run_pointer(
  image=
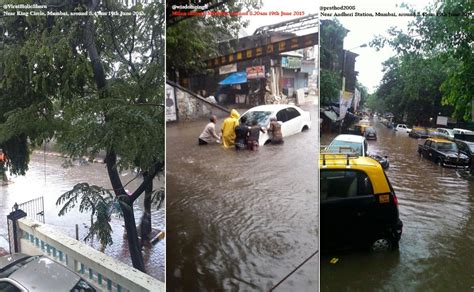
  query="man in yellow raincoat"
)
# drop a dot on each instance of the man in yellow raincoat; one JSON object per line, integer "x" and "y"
{"x": 228, "y": 129}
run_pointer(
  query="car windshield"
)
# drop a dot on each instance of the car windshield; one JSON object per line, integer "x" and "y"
{"x": 338, "y": 184}
{"x": 262, "y": 117}
{"x": 370, "y": 130}
{"x": 10, "y": 269}
{"x": 347, "y": 147}
{"x": 447, "y": 146}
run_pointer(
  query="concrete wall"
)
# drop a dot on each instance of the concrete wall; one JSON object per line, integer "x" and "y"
{"x": 104, "y": 272}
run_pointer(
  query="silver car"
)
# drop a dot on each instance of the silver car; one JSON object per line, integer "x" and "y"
{"x": 21, "y": 272}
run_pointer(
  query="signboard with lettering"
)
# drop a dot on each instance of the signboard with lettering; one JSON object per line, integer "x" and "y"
{"x": 274, "y": 48}
{"x": 255, "y": 72}
{"x": 226, "y": 69}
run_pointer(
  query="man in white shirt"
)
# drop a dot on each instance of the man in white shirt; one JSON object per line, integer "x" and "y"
{"x": 209, "y": 134}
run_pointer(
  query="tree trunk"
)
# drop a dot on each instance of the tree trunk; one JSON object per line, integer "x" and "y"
{"x": 145, "y": 224}
{"x": 126, "y": 204}
{"x": 111, "y": 158}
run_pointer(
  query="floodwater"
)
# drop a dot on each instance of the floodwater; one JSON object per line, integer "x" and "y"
{"x": 49, "y": 179}
{"x": 437, "y": 245}
{"x": 240, "y": 221}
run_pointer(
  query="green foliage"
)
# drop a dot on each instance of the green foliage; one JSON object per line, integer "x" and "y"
{"x": 332, "y": 35}
{"x": 190, "y": 42}
{"x": 446, "y": 39}
{"x": 330, "y": 86}
{"x": 411, "y": 86}
{"x": 97, "y": 201}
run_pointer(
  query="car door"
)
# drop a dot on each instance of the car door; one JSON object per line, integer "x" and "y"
{"x": 294, "y": 121}
{"x": 282, "y": 117}
{"x": 347, "y": 204}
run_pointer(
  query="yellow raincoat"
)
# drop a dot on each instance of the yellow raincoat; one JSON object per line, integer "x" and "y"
{"x": 228, "y": 129}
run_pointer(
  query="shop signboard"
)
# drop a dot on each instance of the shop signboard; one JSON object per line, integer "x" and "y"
{"x": 255, "y": 72}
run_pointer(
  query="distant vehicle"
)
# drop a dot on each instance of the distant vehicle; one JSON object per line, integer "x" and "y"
{"x": 446, "y": 133}
{"x": 354, "y": 145}
{"x": 21, "y": 272}
{"x": 293, "y": 119}
{"x": 419, "y": 132}
{"x": 402, "y": 128}
{"x": 443, "y": 152}
{"x": 370, "y": 133}
{"x": 348, "y": 144}
{"x": 359, "y": 207}
{"x": 467, "y": 148}
{"x": 462, "y": 131}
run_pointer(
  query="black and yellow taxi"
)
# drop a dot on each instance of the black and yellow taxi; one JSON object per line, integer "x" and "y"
{"x": 359, "y": 208}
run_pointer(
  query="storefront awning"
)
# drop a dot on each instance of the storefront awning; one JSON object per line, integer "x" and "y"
{"x": 235, "y": 78}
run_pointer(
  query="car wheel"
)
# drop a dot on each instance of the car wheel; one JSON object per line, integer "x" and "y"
{"x": 381, "y": 245}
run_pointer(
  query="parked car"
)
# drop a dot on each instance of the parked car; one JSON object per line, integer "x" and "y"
{"x": 370, "y": 133}
{"x": 21, "y": 272}
{"x": 293, "y": 119}
{"x": 467, "y": 148}
{"x": 419, "y": 132}
{"x": 462, "y": 131}
{"x": 443, "y": 152}
{"x": 354, "y": 145}
{"x": 402, "y": 128}
{"x": 359, "y": 207}
{"x": 446, "y": 133}
{"x": 348, "y": 144}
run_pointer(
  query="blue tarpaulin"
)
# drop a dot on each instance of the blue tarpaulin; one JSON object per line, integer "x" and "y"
{"x": 235, "y": 78}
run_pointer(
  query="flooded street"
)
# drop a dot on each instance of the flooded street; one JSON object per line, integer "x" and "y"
{"x": 46, "y": 177}
{"x": 437, "y": 245}
{"x": 240, "y": 221}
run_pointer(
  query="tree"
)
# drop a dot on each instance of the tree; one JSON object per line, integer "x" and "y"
{"x": 447, "y": 37}
{"x": 330, "y": 86}
{"x": 331, "y": 51}
{"x": 92, "y": 83}
{"x": 191, "y": 41}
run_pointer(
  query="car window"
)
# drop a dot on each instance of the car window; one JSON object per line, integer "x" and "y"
{"x": 8, "y": 287}
{"x": 463, "y": 147}
{"x": 339, "y": 184}
{"x": 82, "y": 286}
{"x": 443, "y": 146}
{"x": 428, "y": 143}
{"x": 281, "y": 116}
{"x": 471, "y": 146}
{"x": 345, "y": 147}
{"x": 261, "y": 117}
{"x": 292, "y": 113}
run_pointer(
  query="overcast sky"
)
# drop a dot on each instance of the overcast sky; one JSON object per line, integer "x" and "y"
{"x": 363, "y": 30}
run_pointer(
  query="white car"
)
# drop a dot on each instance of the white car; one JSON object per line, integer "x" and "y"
{"x": 348, "y": 144}
{"x": 293, "y": 119}
{"x": 446, "y": 133}
{"x": 402, "y": 128}
{"x": 462, "y": 131}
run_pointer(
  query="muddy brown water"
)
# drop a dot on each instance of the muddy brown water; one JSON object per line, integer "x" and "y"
{"x": 240, "y": 221}
{"x": 46, "y": 177}
{"x": 437, "y": 245}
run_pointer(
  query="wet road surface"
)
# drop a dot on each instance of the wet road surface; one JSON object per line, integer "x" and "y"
{"x": 437, "y": 245}
{"x": 240, "y": 221}
{"x": 49, "y": 179}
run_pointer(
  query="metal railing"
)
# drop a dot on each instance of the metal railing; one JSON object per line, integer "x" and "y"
{"x": 33, "y": 208}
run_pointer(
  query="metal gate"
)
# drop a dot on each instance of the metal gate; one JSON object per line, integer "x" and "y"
{"x": 34, "y": 209}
